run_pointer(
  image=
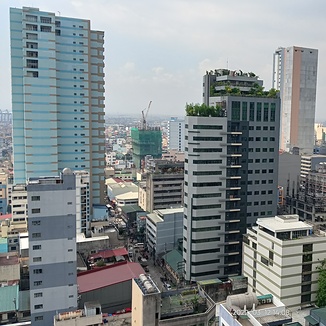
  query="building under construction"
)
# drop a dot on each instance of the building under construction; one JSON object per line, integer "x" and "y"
{"x": 146, "y": 142}
{"x": 309, "y": 201}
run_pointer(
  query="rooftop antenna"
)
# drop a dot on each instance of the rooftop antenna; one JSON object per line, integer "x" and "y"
{"x": 59, "y": 13}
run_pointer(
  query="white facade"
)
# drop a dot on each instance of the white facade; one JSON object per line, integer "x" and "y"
{"x": 176, "y": 134}
{"x": 295, "y": 76}
{"x": 280, "y": 256}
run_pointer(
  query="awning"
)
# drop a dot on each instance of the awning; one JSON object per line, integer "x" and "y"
{"x": 311, "y": 320}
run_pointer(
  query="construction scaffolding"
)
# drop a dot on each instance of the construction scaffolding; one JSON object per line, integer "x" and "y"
{"x": 146, "y": 142}
{"x": 310, "y": 200}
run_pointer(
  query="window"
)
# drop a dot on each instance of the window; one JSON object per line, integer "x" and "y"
{"x": 272, "y": 118}
{"x": 208, "y": 127}
{"x": 207, "y": 184}
{"x": 37, "y": 283}
{"x": 38, "y": 295}
{"x": 32, "y": 63}
{"x": 31, "y": 27}
{"x": 207, "y": 161}
{"x": 244, "y": 111}
{"x": 57, "y": 32}
{"x": 46, "y": 29}
{"x": 38, "y": 306}
{"x": 36, "y": 222}
{"x": 31, "y": 36}
{"x": 37, "y": 247}
{"x": 46, "y": 20}
{"x": 33, "y": 74}
{"x": 207, "y": 138}
{"x": 235, "y": 114}
{"x": 37, "y": 318}
{"x": 207, "y": 150}
{"x": 207, "y": 172}
{"x": 31, "y": 45}
{"x": 36, "y": 210}
{"x": 36, "y": 235}
{"x": 264, "y": 261}
{"x": 258, "y": 112}
{"x": 265, "y": 112}
{"x": 31, "y": 18}
{"x": 206, "y": 240}
{"x": 252, "y": 111}
{"x": 38, "y": 271}
{"x": 37, "y": 259}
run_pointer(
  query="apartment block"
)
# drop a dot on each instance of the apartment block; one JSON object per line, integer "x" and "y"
{"x": 280, "y": 256}
{"x": 176, "y": 134}
{"x": 52, "y": 246}
{"x": 57, "y": 67}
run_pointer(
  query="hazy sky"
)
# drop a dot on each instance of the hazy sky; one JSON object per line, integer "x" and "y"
{"x": 159, "y": 50}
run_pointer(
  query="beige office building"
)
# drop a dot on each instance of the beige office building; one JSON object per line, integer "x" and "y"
{"x": 280, "y": 256}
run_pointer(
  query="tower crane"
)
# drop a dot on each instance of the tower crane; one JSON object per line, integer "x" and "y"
{"x": 144, "y": 116}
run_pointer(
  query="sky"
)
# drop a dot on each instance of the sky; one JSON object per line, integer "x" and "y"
{"x": 159, "y": 50}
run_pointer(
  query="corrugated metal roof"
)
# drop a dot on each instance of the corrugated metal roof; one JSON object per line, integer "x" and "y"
{"x": 109, "y": 275}
{"x": 7, "y": 296}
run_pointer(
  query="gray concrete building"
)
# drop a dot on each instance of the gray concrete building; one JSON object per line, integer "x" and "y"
{"x": 164, "y": 185}
{"x": 52, "y": 246}
{"x": 164, "y": 229}
{"x": 295, "y": 76}
{"x": 231, "y": 169}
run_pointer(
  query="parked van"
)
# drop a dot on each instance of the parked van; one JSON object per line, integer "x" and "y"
{"x": 139, "y": 245}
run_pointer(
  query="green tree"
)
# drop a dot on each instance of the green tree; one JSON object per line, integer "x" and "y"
{"x": 203, "y": 110}
{"x": 321, "y": 291}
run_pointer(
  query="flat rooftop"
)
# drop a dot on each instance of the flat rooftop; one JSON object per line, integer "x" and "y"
{"x": 7, "y": 259}
{"x": 283, "y": 223}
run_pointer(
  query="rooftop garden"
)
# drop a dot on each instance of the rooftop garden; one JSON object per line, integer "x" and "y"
{"x": 255, "y": 90}
{"x": 203, "y": 110}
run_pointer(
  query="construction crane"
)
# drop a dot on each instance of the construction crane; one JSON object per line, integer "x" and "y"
{"x": 144, "y": 115}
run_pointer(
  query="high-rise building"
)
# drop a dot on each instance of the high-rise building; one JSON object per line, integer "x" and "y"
{"x": 231, "y": 169}
{"x": 57, "y": 97}
{"x": 176, "y": 134}
{"x": 295, "y": 76}
{"x": 52, "y": 246}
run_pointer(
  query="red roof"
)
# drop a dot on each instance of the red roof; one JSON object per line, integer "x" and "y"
{"x": 109, "y": 275}
{"x": 110, "y": 253}
{"x": 4, "y": 217}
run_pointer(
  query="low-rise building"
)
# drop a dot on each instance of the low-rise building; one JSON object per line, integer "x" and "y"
{"x": 247, "y": 309}
{"x": 110, "y": 285}
{"x": 164, "y": 228}
{"x": 164, "y": 185}
{"x": 183, "y": 307}
{"x": 281, "y": 256}
{"x": 9, "y": 268}
{"x": 91, "y": 315}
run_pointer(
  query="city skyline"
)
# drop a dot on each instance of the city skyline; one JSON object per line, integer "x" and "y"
{"x": 155, "y": 53}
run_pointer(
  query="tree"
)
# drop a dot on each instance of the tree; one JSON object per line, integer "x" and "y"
{"x": 321, "y": 291}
